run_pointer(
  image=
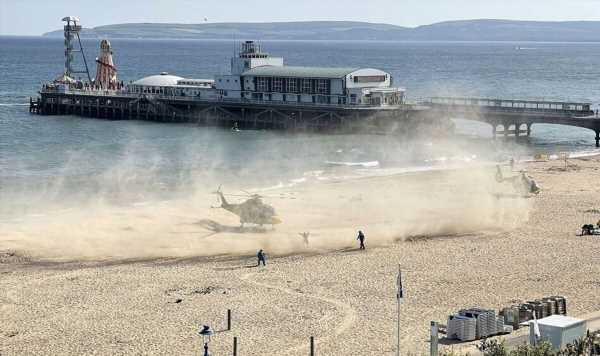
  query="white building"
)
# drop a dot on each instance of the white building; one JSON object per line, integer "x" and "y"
{"x": 165, "y": 84}
{"x": 257, "y": 77}
{"x": 559, "y": 330}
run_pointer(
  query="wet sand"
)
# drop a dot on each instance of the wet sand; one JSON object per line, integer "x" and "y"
{"x": 109, "y": 284}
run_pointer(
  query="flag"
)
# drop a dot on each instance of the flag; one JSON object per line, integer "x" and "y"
{"x": 400, "y": 293}
{"x": 536, "y": 327}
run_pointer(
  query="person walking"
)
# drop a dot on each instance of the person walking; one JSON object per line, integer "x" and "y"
{"x": 261, "y": 258}
{"x": 305, "y": 236}
{"x": 361, "y": 238}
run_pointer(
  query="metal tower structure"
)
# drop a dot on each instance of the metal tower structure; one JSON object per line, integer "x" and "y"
{"x": 72, "y": 29}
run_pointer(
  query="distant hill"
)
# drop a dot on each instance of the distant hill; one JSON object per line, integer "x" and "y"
{"x": 468, "y": 30}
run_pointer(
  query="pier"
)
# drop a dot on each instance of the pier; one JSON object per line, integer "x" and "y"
{"x": 507, "y": 118}
{"x": 243, "y": 114}
{"x": 515, "y": 117}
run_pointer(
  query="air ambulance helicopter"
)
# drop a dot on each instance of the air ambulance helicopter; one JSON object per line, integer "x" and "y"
{"x": 252, "y": 211}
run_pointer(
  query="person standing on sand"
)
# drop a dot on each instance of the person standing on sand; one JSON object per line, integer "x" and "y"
{"x": 261, "y": 258}
{"x": 305, "y": 236}
{"x": 361, "y": 238}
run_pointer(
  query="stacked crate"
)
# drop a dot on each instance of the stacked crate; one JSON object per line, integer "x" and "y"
{"x": 561, "y": 304}
{"x": 486, "y": 321}
{"x": 512, "y": 316}
{"x": 462, "y": 328}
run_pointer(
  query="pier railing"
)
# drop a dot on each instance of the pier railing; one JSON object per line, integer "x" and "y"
{"x": 511, "y": 105}
{"x": 187, "y": 99}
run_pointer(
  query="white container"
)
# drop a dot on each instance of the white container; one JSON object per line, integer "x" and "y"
{"x": 559, "y": 330}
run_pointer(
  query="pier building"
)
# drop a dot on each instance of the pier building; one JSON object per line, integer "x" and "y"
{"x": 258, "y": 77}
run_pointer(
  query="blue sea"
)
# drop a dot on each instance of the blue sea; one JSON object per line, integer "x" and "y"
{"x": 51, "y": 160}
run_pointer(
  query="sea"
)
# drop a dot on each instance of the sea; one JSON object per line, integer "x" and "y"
{"x": 52, "y": 161}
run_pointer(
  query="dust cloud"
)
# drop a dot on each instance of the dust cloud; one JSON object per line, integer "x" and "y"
{"x": 388, "y": 208}
{"x": 141, "y": 207}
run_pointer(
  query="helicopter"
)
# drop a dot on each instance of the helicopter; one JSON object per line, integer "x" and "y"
{"x": 252, "y": 211}
{"x": 522, "y": 183}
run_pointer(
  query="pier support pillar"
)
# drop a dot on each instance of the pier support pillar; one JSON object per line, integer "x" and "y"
{"x": 597, "y": 139}
{"x": 528, "y": 130}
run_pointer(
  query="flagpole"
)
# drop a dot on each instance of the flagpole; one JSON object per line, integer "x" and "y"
{"x": 398, "y": 329}
{"x": 398, "y": 298}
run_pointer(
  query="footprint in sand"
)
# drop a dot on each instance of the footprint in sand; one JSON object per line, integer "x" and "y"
{"x": 347, "y": 321}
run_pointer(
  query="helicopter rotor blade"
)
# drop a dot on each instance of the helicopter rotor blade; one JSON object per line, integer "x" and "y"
{"x": 248, "y": 194}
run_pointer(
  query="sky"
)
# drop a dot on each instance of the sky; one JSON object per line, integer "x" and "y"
{"x": 34, "y": 17}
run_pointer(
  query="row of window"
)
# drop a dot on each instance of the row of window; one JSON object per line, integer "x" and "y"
{"x": 165, "y": 91}
{"x": 292, "y": 85}
{"x": 320, "y": 99}
{"x": 370, "y": 78}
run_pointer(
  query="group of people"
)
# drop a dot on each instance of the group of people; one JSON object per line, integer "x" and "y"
{"x": 262, "y": 256}
{"x": 85, "y": 86}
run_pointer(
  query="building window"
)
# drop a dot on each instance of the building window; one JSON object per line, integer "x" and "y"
{"x": 323, "y": 86}
{"x": 292, "y": 86}
{"x": 370, "y": 79}
{"x": 277, "y": 85}
{"x": 306, "y": 86}
{"x": 262, "y": 84}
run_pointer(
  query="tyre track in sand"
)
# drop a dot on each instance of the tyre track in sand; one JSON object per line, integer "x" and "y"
{"x": 346, "y": 322}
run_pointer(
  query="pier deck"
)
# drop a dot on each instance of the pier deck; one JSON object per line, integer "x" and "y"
{"x": 516, "y": 116}
{"x": 507, "y": 117}
{"x": 250, "y": 114}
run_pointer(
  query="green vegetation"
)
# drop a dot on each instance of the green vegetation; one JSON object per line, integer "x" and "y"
{"x": 469, "y": 30}
{"x": 584, "y": 346}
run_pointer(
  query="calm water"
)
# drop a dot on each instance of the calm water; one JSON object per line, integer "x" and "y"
{"x": 57, "y": 159}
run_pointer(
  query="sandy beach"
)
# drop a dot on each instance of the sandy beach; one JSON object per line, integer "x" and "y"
{"x": 142, "y": 280}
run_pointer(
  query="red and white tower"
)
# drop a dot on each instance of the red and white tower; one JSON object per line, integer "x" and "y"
{"x": 106, "y": 72}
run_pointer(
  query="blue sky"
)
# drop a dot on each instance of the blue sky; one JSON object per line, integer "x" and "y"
{"x": 33, "y": 17}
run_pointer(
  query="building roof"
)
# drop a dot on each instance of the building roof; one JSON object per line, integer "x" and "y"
{"x": 559, "y": 321}
{"x": 161, "y": 80}
{"x": 298, "y": 72}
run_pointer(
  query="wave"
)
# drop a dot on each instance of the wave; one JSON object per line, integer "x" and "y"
{"x": 354, "y": 164}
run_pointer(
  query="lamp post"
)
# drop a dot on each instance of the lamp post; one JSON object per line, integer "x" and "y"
{"x": 206, "y": 333}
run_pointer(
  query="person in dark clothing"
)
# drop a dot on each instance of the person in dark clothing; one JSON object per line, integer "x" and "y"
{"x": 261, "y": 258}
{"x": 361, "y": 238}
